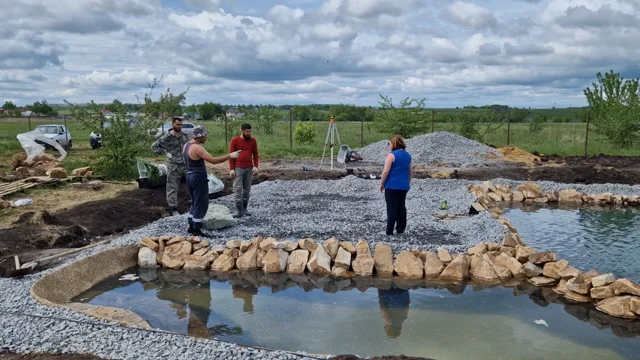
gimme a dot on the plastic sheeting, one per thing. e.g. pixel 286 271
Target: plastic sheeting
pixel 33 149
pixel 215 185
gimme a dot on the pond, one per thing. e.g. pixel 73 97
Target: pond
pixel 605 240
pixel 368 316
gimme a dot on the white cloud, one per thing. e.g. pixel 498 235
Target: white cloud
pixel 471 15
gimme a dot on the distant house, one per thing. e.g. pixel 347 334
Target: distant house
pixel 28 113
pixel 106 113
pixel 233 113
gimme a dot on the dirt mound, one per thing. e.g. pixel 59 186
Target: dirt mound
pixel 515 154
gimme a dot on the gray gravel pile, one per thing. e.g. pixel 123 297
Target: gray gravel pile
pixel 437 147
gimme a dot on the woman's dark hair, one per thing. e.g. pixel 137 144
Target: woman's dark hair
pixel 397 143
pixel 245 127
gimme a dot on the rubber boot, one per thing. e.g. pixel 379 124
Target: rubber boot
pixel 174 211
pixel 244 208
pixel 239 211
pixel 190 221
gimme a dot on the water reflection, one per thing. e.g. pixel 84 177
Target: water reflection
pixel 599 238
pixel 394 306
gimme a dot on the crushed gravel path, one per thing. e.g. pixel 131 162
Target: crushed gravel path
pixel 350 209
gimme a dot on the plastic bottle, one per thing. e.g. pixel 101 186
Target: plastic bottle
pixel 22 202
pixel 444 205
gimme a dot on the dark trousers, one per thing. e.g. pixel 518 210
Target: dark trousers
pixel 396 210
pixel 199 192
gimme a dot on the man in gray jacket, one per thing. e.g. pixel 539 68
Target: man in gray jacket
pixel 170 144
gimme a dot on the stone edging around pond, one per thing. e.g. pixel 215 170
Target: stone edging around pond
pixel 488 193
pixel 491 264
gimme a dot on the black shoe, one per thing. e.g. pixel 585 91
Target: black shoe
pixel 237 215
pixel 196 232
pixel 174 211
pixel 246 213
pixel 244 208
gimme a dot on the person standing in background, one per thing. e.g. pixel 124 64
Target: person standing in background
pixel 170 144
pixel 243 169
pixel 396 182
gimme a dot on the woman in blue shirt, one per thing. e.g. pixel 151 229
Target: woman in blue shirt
pixel 396 179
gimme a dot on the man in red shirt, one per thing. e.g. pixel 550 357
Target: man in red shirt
pixel 243 168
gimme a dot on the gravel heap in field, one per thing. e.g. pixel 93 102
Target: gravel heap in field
pixel 437 147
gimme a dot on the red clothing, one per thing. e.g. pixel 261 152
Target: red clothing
pixel 248 157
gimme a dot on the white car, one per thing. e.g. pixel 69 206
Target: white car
pixel 58 133
pixel 187 129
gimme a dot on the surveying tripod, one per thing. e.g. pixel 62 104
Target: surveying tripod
pixel 332 133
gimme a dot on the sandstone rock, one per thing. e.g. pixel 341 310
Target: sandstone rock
pixel 602 292
pixel 197 263
pixel 619 306
pixel 552 269
pixel 234 244
pixel 218 249
pixel 267 244
pixel 342 272
pixel 581 284
pixel 278 245
pixel 523 253
pixel 297 261
pixel 575 297
pixel 194 240
pixel 507 196
pixel 348 246
pixel 147 258
pixel 482 271
pixel 530 191
pixel 518 196
pixel 561 288
pixel 509 251
pixel 478 249
pixel 175 255
pixel 175 240
pixel 489 186
pixel 57 173
pixel 432 265
pixel 275 261
pixel 306 244
pixel 624 286
pixel 542 281
pixel 201 252
pixel 363 265
pixel 331 247
pixel 603 280
pixel 635 305
pixel 201 245
pixel 409 266
pixel 478 207
pixel 249 260
pixel 244 245
pixel 542 257
pixel 363 248
pixel 514 266
pixel 211 255
pixel 290 246
pixel 568 272
pixel 493 247
pixel 80 171
pixel 531 270
pixel 234 253
pixel 499 266
pixel 148 242
pixel 570 195
pixel 511 240
pixel 343 258
pixel 444 256
pixel 383 260
pixel 552 198
pixel 495 197
pixel 260 258
pixel 457 270
pixel 218 217
pixel 541 200
pixel 416 253
pixel 223 263
pixel 319 262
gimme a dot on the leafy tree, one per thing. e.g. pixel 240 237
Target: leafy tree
pixel 519 115
pixel 305 132
pixel 301 113
pixel 614 105
pixel 406 120
pixel 207 111
pixel 123 142
pixel 265 118
pixel 115 106
pixel 8 105
pixel 537 124
pixel 41 107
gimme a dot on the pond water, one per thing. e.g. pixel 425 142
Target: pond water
pixel 369 317
pixel 589 238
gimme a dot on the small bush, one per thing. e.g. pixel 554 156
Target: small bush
pixel 305 132
pixel 537 124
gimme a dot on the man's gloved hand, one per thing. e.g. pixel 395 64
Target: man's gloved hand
pixel 232 174
pixel 235 154
pixel 255 171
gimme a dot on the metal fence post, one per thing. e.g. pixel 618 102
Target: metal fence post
pixel 29 122
pixel 290 130
pixel 433 120
pixel 66 131
pixel 362 132
pixel 586 138
pixel 508 127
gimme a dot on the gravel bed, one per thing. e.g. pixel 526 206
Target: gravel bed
pixel 437 147
pixel 349 209
pixel 591 189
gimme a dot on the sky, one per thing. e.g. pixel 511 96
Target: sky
pixel 523 53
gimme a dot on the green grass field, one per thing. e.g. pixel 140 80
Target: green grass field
pixel 561 139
